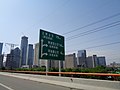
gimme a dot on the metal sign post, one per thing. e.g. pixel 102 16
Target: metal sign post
pixel 59 68
pixel 46 67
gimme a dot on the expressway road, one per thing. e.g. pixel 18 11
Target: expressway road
pixel 11 83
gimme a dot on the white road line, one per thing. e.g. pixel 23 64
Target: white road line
pixel 6 86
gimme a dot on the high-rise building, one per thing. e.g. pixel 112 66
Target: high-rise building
pixel 70 61
pixel 95 60
pixel 54 63
pixel 51 63
pixel 24 44
pixel 81 53
pixel 81 58
pixel 9 60
pixel 101 61
pixel 1 46
pixel 92 61
pixel 36 55
pixel 13 59
pixel 16 58
pixel 1 60
pixel 30 55
pixel 8 63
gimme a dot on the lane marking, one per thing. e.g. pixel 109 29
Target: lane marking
pixel 6 86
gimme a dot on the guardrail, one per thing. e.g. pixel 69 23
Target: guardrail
pixel 115 76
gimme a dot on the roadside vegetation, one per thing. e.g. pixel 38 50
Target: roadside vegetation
pixel 99 69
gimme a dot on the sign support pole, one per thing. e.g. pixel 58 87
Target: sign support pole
pixel 59 68
pixel 46 67
pixel 38 62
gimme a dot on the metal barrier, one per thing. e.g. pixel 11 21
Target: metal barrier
pixel 115 76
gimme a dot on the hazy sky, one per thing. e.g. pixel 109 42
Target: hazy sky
pixel 26 17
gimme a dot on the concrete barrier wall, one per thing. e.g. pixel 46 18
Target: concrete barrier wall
pixel 92 82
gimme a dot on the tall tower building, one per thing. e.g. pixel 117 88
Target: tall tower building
pixel 1 46
pixel 9 60
pixel 36 55
pixel 54 63
pixel 16 58
pixel 24 44
pixel 30 55
pixel 13 59
pixel 101 61
pixel 95 60
pixel 1 61
pixel 70 61
pixel 81 58
pixel 92 61
pixel 82 53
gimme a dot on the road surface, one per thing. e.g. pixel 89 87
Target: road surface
pixel 18 81
pixel 11 83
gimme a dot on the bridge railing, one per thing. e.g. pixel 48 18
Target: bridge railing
pixel 114 76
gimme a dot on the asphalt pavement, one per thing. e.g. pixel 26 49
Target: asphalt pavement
pixel 11 83
pixel 18 81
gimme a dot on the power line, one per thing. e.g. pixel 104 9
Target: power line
pixel 104 37
pixel 99 46
pixel 104 19
pixel 90 31
pixel 94 30
pixel 103 45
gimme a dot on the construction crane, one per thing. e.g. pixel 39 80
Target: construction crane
pixel 11 45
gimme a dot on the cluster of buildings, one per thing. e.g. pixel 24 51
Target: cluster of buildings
pixel 19 57
pixel 82 61
pixel 114 65
pixel 28 56
pixel 71 61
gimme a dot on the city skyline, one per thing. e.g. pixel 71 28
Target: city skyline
pixel 90 25
pixel 24 41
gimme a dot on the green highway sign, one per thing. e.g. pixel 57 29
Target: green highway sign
pixel 51 46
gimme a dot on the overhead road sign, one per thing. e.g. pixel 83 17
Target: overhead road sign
pixel 51 46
